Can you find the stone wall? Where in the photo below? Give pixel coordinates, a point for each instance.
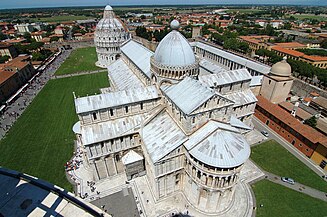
(151, 45)
(303, 89)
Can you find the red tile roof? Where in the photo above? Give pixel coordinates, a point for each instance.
(315, 58)
(5, 75)
(287, 51)
(291, 45)
(306, 131)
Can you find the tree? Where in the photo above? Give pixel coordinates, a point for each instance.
(312, 122)
(287, 25)
(2, 36)
(244, 47)
(231, 44)
(323, 44)
(4, 58)
(55, 38)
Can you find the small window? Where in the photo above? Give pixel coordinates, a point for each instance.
(126, 109)
(141, 105)
(193, 120)
(94, 116)
(111, 112)
(269, 81)
(307, 149)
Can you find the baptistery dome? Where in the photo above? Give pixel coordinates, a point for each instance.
(110, 33)
(174, 57)
(281, 68)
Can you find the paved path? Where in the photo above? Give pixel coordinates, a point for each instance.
(78, 73)
(297, 187)
(273, 135)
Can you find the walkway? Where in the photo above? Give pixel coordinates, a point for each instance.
(297, 187)
(242, 206)
(273, 135)
(78, 73)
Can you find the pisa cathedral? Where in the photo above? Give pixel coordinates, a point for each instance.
(177, 116)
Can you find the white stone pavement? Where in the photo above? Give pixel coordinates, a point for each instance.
(242, 204)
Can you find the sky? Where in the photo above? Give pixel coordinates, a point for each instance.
(6, 4)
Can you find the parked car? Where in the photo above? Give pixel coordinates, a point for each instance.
(288, 180)
(265, 133)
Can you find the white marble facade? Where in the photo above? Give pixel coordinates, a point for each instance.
(184, 127)
(110, 33)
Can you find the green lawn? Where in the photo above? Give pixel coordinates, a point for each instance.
(41, 141)
(60, 18)
(82, 59)
(308, 16)
(274, 158)
(278, 200)
(243, 10)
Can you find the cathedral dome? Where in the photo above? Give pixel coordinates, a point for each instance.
(174, 49)
(108, 8)
(281, 68)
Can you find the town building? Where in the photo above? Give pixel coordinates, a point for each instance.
(28, 27)
(162, 116)
(110, 33)
(38, 36)
(7, 49)
(303, 137)
(319, 104)
(14, 75)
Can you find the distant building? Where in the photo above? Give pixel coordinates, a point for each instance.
(196, 31)
(274, 23)
(320, 104)
(59, 30)
(13, 75)
(38, 36)
(28, 27)
(110, 33)
(7, 49)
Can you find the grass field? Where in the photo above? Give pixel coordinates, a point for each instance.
(273, 158)
(278, 200)
(244, 10)
(308, 16)
(81, 59)
(41, 140)
(60, 18)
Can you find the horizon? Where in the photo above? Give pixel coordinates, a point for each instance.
(126, 3)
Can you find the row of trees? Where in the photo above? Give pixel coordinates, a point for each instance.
(318, 52)
(298, 67)
(268, 55)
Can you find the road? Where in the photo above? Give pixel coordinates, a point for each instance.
(297, 187)
(79, 73)
(273, 135)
